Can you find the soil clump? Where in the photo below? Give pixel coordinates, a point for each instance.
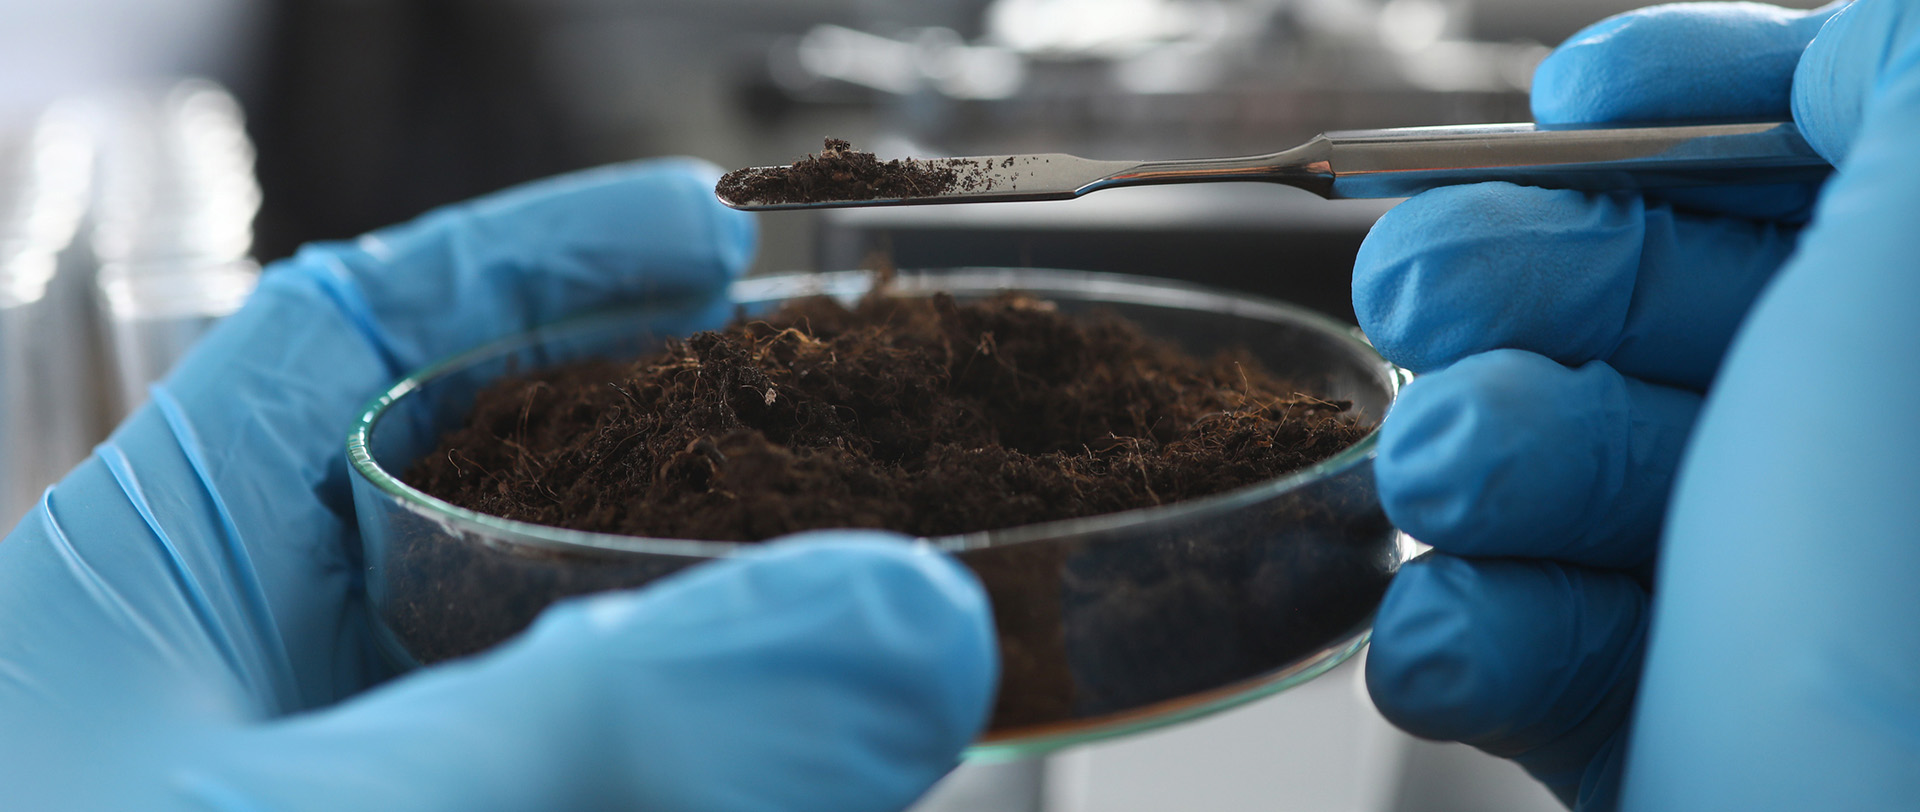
(840, 172)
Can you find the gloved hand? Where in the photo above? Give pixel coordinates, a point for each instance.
(186, 629)
(1567, 340)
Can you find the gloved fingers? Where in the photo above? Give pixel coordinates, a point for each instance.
(278, 382)
(470, 272)
(1678, 61)
(1530, 660)
(1686, 61)
(840, 674)
(1508, 453)
(1573, 276)
(239, 453)
(1842, 70)
(498, 265)
(1781, 673)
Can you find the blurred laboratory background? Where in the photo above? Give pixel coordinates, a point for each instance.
(153, 153)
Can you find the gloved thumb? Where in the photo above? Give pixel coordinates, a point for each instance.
(1843, 66)
(838, 675)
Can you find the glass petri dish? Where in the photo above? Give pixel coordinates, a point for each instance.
(1108, 625)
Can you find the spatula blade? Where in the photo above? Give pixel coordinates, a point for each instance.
(974, 179)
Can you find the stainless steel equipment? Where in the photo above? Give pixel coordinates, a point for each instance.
(174, 228)
(125, 231)
(48, 408)
(1400, 162)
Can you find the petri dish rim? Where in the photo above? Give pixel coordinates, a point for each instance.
(1081, 284)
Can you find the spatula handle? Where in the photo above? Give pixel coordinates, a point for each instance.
(1402, 162)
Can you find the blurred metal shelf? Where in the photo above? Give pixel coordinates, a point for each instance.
(125, 232)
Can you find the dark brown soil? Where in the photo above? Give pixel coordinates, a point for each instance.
(840, 172)
(922, 416)
(933, 418)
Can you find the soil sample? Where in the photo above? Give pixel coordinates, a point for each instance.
(840, 172)
(925, 416)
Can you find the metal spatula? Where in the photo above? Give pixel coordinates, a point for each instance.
(1402, 162)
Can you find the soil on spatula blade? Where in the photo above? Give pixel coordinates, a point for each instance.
(841, 172)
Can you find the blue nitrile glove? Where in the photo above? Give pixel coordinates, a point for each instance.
(1567, 339)
(185, 627)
